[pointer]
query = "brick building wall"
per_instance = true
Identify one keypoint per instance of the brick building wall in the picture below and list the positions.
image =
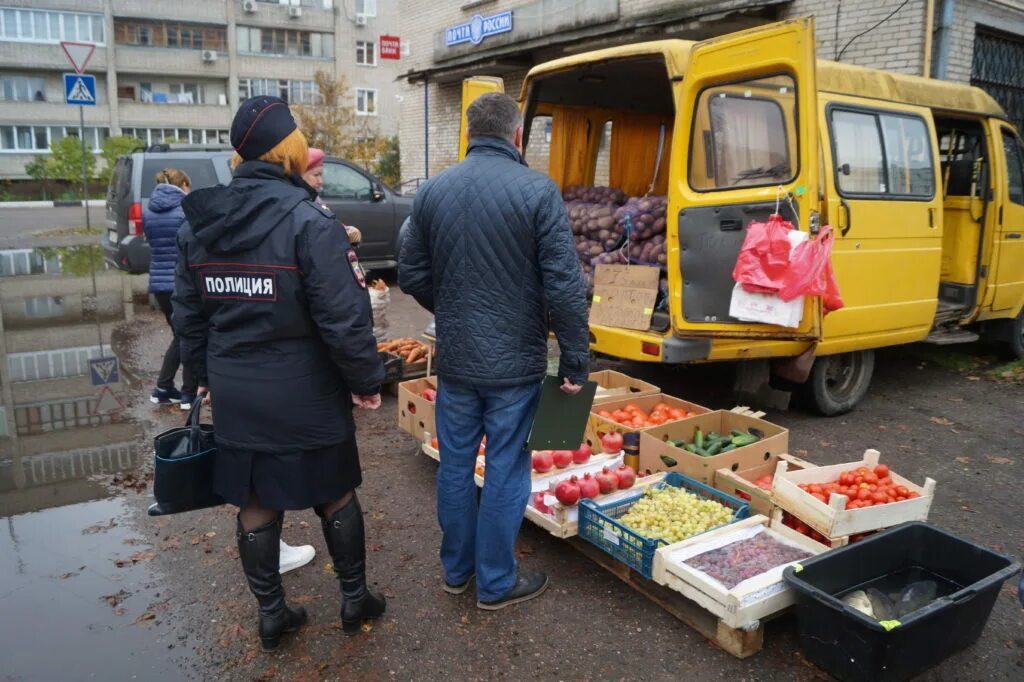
(1007, 17)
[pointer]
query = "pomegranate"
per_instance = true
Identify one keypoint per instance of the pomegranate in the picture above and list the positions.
(429, 394)
(626, 476)
(542, 461)
(581, 455)
(563, 458)
(589, 487)
(538, 503)
(568, 491)
(607, 481)
(612, 442)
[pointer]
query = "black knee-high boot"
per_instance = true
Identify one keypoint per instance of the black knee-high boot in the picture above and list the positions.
(346, 542)
(260, 554)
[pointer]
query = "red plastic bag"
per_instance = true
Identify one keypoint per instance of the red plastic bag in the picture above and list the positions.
(764, 257)
(810, 272)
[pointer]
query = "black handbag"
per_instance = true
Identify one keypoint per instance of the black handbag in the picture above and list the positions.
(183, 475)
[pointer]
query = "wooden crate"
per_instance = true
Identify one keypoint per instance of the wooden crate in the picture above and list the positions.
(416, 413)
(653, 445)
(743, 606)
(833, 519)
(614, 386)
(740, 482)
(782, 529)
(598, 426)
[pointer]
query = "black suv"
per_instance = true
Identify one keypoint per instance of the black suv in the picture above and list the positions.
(357, 198)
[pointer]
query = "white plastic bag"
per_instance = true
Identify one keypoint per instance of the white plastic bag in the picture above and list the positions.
(766, 308)
(380, 299)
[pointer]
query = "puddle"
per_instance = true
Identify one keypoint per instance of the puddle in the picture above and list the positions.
(77, 594)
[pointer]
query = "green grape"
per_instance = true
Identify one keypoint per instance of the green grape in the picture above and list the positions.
(673, 514)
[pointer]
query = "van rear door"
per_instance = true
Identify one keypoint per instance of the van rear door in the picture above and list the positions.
(471, 89)
(746, 139)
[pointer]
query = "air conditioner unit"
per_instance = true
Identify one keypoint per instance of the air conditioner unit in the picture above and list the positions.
(406, 48)
(209, 56)
(250, 6)
(360, 20)
(294, 12)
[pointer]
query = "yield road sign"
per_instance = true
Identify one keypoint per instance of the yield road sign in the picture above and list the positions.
(106, 403)
(78, 53)
(103, 371)
(79, 88)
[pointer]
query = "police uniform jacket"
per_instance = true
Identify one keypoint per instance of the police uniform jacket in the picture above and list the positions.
(272, 311)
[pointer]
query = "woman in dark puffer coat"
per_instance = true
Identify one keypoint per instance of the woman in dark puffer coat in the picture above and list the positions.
(162, 220)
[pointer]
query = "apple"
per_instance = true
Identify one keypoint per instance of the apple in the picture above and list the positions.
(563, 458)
(612, 442)
(581, 455)
(542, 461)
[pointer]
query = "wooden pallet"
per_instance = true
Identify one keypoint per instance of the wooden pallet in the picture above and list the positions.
(739, 643)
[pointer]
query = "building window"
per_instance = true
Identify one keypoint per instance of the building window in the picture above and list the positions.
(51, 364)
(44, 26)
(368, 8)
(292, 91)
(44, 306)
(38, 138)
(22, 89)
(283, 41)
(186, 93)
(173, 34)
(366, 53)
(66, 413)
(17, 262)
(366, 102)
(184, 135)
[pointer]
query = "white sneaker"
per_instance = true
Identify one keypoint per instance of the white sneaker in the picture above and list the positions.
(295, 557)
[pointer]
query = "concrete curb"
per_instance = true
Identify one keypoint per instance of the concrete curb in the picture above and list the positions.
(51, 204)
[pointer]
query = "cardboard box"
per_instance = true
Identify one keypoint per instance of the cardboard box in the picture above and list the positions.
(597, 425)
(740, 483)
(416, 413)
(624, 296)
(618, 386)
(653, 445)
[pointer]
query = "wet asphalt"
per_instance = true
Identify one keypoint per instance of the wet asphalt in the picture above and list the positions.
(186, 613)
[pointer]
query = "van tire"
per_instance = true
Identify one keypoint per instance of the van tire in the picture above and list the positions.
(1016, 340)
(838, 382)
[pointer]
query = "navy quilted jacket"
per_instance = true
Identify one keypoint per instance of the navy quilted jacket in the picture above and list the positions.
(161, 221)
(488, 249)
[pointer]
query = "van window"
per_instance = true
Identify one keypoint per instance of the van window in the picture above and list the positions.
(538, 150)
(201, 172)
(741, 135)
(878, 153)
(603, 167)
(1014, 174)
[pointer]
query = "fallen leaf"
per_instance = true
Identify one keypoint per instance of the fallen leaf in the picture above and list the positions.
(367, 626)
(69, 574)
(465, 620)
(147, 615)
(196, 540)
(172, 542)
(211, 534)
(824, 443)
(115, 599)
(998, 460)
(963, 460)
(303, 524)
(956, 400)
(328, 568)
(120, 611)
(99, 527)
(941, 421)
(973, 378)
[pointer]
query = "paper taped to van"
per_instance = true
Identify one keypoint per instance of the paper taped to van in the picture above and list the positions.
(624, 296)
(747, 306)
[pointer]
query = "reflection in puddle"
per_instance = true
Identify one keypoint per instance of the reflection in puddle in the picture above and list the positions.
(62, 421)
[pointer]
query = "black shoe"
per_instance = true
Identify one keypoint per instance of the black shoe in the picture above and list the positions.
(529, 584)
(259, 551)
(460, 588)
(346, 541)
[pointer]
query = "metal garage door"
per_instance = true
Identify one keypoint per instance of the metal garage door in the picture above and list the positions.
(998, 69)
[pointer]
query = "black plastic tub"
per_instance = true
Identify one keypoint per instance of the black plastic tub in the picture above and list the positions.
(852, 646)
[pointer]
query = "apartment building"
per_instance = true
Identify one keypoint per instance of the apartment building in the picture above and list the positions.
(975, 41)
(177, 70)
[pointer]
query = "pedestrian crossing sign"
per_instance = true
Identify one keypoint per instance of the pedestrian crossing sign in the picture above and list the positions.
(79, 88)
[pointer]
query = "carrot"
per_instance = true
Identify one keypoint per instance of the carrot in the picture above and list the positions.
(414, 356)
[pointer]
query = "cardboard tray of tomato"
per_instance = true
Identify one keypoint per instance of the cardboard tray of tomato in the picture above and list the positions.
(823, 506)
(755, 483)
(416, 406)
(632, 415)
(748, 602)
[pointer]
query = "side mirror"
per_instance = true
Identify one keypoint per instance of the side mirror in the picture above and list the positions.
(378, 193)
(845, 169)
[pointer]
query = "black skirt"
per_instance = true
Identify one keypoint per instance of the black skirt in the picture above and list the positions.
(294, 480)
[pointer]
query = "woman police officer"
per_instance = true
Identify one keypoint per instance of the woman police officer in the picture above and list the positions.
(271, 307)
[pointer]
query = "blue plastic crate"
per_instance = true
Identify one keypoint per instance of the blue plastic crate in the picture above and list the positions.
(597, 523)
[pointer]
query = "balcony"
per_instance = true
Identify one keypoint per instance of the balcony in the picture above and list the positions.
(277, 16)
(281, 66)
(53, 112)
(195, 10)
(139, 114)
(45, 56)
(168, 61)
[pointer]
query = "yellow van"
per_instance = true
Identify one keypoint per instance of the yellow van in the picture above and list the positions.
(922, 180)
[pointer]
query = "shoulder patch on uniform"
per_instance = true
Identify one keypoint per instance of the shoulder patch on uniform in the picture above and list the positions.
(357, 270)
(328, 213)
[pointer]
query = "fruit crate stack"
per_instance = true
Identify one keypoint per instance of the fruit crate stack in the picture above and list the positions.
(754, 484)
(840, 503)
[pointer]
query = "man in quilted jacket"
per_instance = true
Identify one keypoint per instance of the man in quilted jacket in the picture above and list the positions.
(489, 251)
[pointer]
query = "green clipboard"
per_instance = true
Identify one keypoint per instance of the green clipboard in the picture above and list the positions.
(561, 419)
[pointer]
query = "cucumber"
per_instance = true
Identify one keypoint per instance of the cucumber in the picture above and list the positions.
(677, 443)
(698, 438)
(756, 432)
(744, 439)
(690, 447)
(729, 448)
(737, 432)
(714, 448)
(668, 461)
(702, 452)
(714, 435)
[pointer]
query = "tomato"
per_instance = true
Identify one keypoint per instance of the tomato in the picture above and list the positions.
(815, 488)
(879, 498)
(884, 480)
(819, 497)
(913, 495)
(900, 498)
(845, 479)
(631, 407)
(870, 477)
(863, 494)
(858, 480)
(677, 414)
(882, 470)
(604, 413)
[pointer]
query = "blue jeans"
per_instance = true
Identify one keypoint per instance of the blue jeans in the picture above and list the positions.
(481, 537)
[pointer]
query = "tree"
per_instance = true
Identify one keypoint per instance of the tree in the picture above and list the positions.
(389, 165)
(39, 170)
(333, 125)
(114, 147)
(66, 162)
